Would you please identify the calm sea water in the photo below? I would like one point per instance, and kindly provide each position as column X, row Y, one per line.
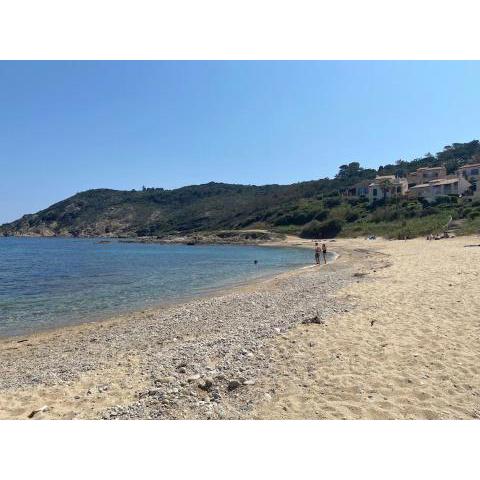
column 48, row 282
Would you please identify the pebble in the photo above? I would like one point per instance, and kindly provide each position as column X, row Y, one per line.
column 162, row 380
column 233, row 384
column 206, row 384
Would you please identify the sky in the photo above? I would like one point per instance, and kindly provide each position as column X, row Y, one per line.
column 67, row 127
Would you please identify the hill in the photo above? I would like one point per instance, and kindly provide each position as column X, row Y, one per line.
column 313, row 208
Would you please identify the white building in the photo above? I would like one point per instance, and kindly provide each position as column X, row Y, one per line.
column 471, row 172
column 387, row 186
column 426, row 174
column 436, row 188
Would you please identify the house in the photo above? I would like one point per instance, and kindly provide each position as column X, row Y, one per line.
column 471, row 171
column 358, row 190
column 387, row 186
column 426, row 174
column 451, row 185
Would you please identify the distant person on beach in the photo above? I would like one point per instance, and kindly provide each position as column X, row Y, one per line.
column 317, row 253
column 324, row 252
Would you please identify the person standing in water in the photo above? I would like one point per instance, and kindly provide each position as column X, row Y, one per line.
column 324, row 252
column 317, row 253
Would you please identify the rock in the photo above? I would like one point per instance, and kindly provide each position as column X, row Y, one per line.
column 162, row 380
column 267, row 397
column 182, row 370
column 39, row 410
column 233, row 384
column 316, row 319
column 192, row 378
column 206, row 384
column 277, row 330
column 249, row 382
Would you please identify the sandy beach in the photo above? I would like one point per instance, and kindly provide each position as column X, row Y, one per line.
column 388, row 331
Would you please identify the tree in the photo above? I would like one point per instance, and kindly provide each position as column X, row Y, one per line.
column 385, row 186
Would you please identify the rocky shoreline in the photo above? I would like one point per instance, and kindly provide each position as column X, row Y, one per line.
column 203, row 359
column 220, row 237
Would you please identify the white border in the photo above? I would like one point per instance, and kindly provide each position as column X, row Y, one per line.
column 239, row 450
column 247, row 29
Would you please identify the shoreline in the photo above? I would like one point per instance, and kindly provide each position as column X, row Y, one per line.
column 43, row 352
column 240, row 286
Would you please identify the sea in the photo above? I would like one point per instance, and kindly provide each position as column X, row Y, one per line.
column 53, row 282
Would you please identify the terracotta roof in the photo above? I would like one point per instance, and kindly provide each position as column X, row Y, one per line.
column 444, row 181
column 469, row 165
column 385, row 177
column 422, row 185
column 430, row 168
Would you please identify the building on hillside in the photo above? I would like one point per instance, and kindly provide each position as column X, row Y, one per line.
column 387, row 186
column 471, row 172
column 358, row 190
column 451, row 185
column 426, row 174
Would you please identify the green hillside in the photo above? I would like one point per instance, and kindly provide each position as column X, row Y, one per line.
column 312, row 209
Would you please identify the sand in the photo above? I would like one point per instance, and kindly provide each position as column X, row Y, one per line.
column 399, row 339
column 410, row 349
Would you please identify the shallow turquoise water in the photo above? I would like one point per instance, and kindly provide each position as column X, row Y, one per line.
column 49, row 282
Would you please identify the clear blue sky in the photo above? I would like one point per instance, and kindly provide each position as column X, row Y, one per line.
column 71, row 126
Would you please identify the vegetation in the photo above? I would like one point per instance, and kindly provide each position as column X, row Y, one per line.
column 314, row 209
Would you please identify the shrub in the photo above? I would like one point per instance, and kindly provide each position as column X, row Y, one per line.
column 443, row 199
column 351, row 216
column 295, row 218
column 332, row 202
column 321, row 215
column 315, row 229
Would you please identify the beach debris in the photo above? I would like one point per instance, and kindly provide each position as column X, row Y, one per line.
column 39, row 410
column 267, row 397
column 359, row 274
column 23, row 340
column 249, row 382
column 233, row 384
column 316, row 319
column 372, row 322
column 192, row 378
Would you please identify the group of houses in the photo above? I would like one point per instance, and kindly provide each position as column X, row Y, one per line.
column 426, row 182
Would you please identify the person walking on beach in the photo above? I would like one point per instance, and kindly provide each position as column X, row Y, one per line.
column 317, row 253
column 324, row 252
